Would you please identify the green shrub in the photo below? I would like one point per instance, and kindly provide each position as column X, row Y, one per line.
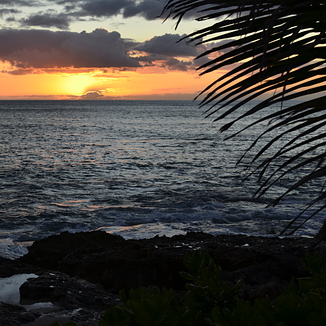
column 147, row 308
column 208, row 301
column 302, row 303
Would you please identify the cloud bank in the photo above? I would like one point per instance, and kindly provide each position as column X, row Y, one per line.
column 148, row 9
column 60, row 13
column 38, row 46
column 26, row 50
column 47, row 49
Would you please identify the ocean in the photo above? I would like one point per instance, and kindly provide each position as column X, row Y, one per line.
column 133, row 168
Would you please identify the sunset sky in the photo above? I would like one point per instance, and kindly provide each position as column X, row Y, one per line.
column 88, row 49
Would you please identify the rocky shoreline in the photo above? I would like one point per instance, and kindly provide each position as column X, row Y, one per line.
column 79, row 275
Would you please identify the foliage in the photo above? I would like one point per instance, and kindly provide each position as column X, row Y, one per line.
column 146, row 308
column 205, row 289
column 155, row 308
column 212, row 302
column 209, row 301
column 275, row 50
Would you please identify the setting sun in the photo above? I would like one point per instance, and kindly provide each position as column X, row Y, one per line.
column 76, row 84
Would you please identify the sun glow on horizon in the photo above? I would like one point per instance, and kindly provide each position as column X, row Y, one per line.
column 115, row 84
column 76, row 84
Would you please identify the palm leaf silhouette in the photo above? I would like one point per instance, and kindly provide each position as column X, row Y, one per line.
column 275, row 50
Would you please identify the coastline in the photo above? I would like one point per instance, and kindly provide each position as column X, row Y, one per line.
column 95, row 266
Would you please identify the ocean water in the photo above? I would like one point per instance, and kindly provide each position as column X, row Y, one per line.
column 134, row 168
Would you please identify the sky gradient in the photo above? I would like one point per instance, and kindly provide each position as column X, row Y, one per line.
column 96, row 49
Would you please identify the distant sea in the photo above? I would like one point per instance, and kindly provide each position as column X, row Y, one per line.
column 133, row 168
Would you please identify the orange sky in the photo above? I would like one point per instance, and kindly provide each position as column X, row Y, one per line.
column 142, row 83
column 113, row 49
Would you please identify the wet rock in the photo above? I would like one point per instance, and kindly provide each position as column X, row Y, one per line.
column 49, row 252
column 109, row 260
column 55, row 297
column 66, row 292
column 12, row 315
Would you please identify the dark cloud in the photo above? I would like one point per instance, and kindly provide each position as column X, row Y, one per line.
column 168, row 49
column 91, row 95
column 164, row 61
column 59, row 21
column 46, row 49
column 18, row 72
column 10, row 19
column 13, row 3
column 150, row 58
column 29, row 40
column 175, row 64
column 101, row 8
column 168, row 45
column 79, row 9
column 152, row 9
column 163, row 50
column 40, row 49
column 8, row 12
column 64, row 2
column 106, row 49
column 148, row 9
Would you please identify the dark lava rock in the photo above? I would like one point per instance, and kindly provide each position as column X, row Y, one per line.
column 11, row 315
column 66, row 292
column 73, row 268
column 56, row 297
column 109, row 260
column 117, row 264
column 73, row 299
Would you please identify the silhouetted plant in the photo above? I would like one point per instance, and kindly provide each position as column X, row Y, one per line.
column 210, row 301
column 273, row 49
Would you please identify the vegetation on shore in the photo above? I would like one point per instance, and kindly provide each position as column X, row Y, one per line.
column 209, row 301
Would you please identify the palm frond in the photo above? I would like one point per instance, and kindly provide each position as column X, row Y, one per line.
column 275, row 50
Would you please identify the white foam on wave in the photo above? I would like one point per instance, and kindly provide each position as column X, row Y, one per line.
column 9, row 291
column 11, row 249
column 9, row 287
column 143, row 231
